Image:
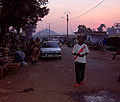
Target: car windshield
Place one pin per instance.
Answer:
(50, 45)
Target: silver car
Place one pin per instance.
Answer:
(50, 49)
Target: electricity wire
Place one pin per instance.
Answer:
(85, 12)
(90, 9)
(90, 3)
(74, 6)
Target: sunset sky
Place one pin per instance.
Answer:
(107, 13)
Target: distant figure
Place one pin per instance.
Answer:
(80, 50)
(117, 53)
(104, 44)
(35, 53)
(37, 41)
(19, 56)
(118, 79)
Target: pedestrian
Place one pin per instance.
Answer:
(117, 53)
(104, 44)
(35, 53)
(19, 57)
(118, 79)
(80, 50)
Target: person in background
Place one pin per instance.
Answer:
(35, 53)
(19, 56)
(104, 44)
(117, 53)
(118, 78)
(114, 56)
(80, 50)
(38, 42)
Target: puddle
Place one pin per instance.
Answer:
(100, 96)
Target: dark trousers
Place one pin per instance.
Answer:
(80, 71)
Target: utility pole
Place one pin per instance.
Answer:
(67, 25)
(49, 31)
(67, 14)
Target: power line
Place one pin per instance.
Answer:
(74, 6)
(90, 9)
(85, 6)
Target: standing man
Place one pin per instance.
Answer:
(80, 50)
(104, 44)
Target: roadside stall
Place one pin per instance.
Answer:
(6, 59)
(113, 42)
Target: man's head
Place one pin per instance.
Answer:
(80, 40)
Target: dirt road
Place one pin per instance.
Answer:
(52, 80)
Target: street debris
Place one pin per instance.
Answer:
(100, 96)
(5, 91)
(8, 82)
(26, 90)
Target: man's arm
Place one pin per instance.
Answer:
(86, 53)
(79, 55)
(74, 53)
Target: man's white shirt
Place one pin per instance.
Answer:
(76, 50)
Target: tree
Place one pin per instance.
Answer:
(84, 29)
(100, 28)
(20, 14)
(112, 30)
(29, 30)
(81, 28)
(117, 27)
(88, 31)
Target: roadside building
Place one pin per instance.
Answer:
(96, 36)
(93, 37)
(113, 41)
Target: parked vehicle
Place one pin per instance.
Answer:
(50, 49)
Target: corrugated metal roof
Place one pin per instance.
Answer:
(114, 35)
